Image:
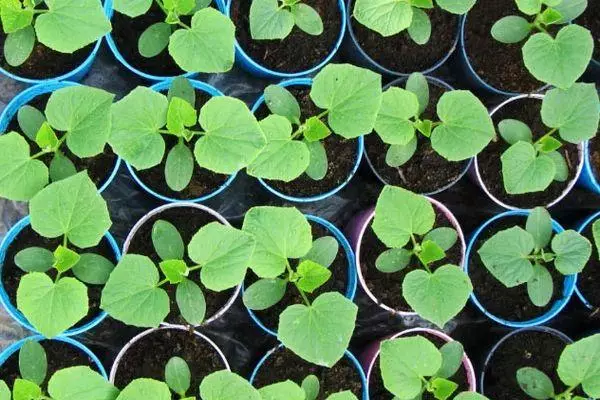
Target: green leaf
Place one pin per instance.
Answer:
(30, 120)
(154, 39)
(324, 251)
(174, 270)
(311, 387)
(420, 27)
(132, 8)
(444, 237)
(318, 162)
(4, 391)
(167, 241)
(539, 225)
(570, 9)
(61, 167)
(93, 269)
(550, 16)
(14, 16)
(34, 259)
(529, 7)
(422, 3)
(540, 287)
(26, 390)
(417, 83)
(386, 17)
(393, 260)
(579, 364)
(321, 333)
(46, 138)
(452, 356)
(394, 123)
(572, 252)
(466, 126)
(562, 168)
(180, 115)
(456, 6)
(286, 390)
(307, 19)
(574, 112)
(136, 120)
(18, 46)
(315, 129)
(179, 167)
(430, 252)
(405, 361)
(399, 214)
(398, 155)
(280, 101)
(352, 95)
(312, 276)
(183, 89)
(71, 207)
(208, 47)
(264, 294)
(511, 29)
(232, 139)
(548, 144)
(596, 234)
(443, 388)
(280, 233)
(225, 385)
(505, 256)
(51, 307)
(524, 171)
(33, 363)
(191, 302)
(143, 389)
(345, 395)
(65, 259)
(178, 375)
(20, 176)
(437, 297)
(70, 25)
(268, 21)
(535, 383)
(80, 383)
(513, 131)
(181, 7)
(470, 396)
(131, 294)
(562, 60)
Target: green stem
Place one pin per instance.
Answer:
(290, 273)
(196, 268)
(183, 25)
(162, 282)
(58, 274)
(300, 129)
(547, 135)
(564, 394)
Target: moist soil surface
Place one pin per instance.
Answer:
(282, 365)
(399, 53)
(490, 166)
(535, 349)
(341, 154)
(99, 167)
(500, 65)
(378, 392)
(512, 304)
(337, 283)
(60, 355)
(148, 357)
(188, 221)
(297, 52)
(588, 280)
(203, 181)
(426, 171)
(387, 288)
(591, 20)
(11, 274)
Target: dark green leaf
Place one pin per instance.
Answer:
(535, 383)
(318, 165)
(311, 387)
(398, 155)
(264, 293)
(34, 259)
(154, 40)
(511, 29)
(281, 102)
(513, 131)
(393, 260)
(540, 287)
(178, 375)
(18, 46)
(167, 241)
(30, 120)
(182, 88)
(539, 225)
(61, 167)
(179, 167)
(324, 250)
(452, 355)
(33, 363)
(444, 237)
(93, 269)
(191, 302)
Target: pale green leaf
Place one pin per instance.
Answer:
(264, 293)
(18, 46)
(286, 390)
(307, 19)
(529, 7)
(443, 388)
(145, 389)
(572, 252)
(179, 167)
(46, 138)
(178, 375)
(513, 131)
(524, 171)
(398, 155)
(174, 270)
(180, 116)
(93, 269)
(80, 383)
(34, 259)
(540, 286)
(570, 9)
(511, 29)
(579, 363)
(324, 251)
(539, 225)
(132, 8)
(420, 27)
(393, 260)
(387, 17)
(167, 241)
(4, 391)
(33, 363)
(225, 385)
(535, 383)
(191, 302)
(596, 234)
(315, 129)
(30, 120)
(470, 396)
(456, 6)
(394, 123)
(26, 390)
(345, 395)
(318, 161)
(269, 21)
(65, 259)
(20, 176)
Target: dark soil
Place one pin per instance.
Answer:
(591, 20)
(594, 149)
(337, 283)
(297, 52)
(203, 181)
(500, 65)
(426, 171)
(490, 165)
(188, 221)
(588, 280)
(378, 392)
(148, 357)
(341, 154)
(11, 274)
(99, 167)
(512, 304)
(60, 355)
(526, 349)
(283, 365)
(387, 288)
(399, 53)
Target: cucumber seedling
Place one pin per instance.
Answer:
(275, 19)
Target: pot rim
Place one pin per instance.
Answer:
(583, 226)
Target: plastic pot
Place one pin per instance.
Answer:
(13, 348)
(26, 97)
(399, 83)
(371, 354)
(588, 179)
(476, 175)
(348, 355)
(355, 52)
(5, 299)
(360, 141)
(205, 209)
(351, 286)
(255, 68)
(582, 228)
(568, 283)
(160, 87)
(359, 225)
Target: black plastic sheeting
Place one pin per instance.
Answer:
(240, 339)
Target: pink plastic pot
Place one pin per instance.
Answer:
(361, 222)
(371, 354)
(210, 211)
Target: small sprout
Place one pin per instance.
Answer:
(403, 218)
(517, 256)
(178, 376)
(275, 19)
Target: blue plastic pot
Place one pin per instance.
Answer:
(587, 178)
(582, 228)
(348, 355)
(5, 299)
(360, 57)
(108, 8)
(26, 97)
(568, 284)
(350, 289)
(253, 67)
(361, 147)
(10, 350)
(160, 87)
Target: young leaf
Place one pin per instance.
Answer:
(443, 388)
(535, 383)
(562, 168)
(444, 237)
(513, 131)
(307, 19)
(345, 395)
(529, 7)
(398, 155)
(312, 276)
(46, 138)
(225, 385)
(456, 6)
(18, 46)
(394, 125)
(143, 388)
(167, 241)
(548, 144)
(319, 333)
(437, 297)
(80, 383)
(286, 390)
(180, 115)
(540, 287)
(93, 269)
(183, 89)
(539, 225)
(14, 16)
(452, 355)
(269, 21)
(550, 16)
(430, 252)
(393, 260)
(386, 17)
(34, 259)
(511, 29)
(179, 167)
(30, 120)
(318, 163)
(174, 270)
(315, 129)
(420, 27)
(324, 250)
(311, 387)
(417, 83)
(65, 259)
(132, 8)
(579, 363)
(154, 39)
(524, 171)
(33, 363)
(281, 102)
(264, 293)
(570, 9)
(572, 252)
(596, 234)
(25, 390)
(61, 167)
(191, 302)
(178, 375)
(4, 391)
